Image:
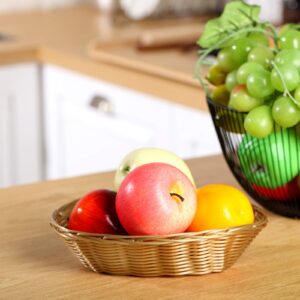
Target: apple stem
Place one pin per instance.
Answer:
(177, 195)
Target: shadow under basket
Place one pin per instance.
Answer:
(191, 253)
(278, 153)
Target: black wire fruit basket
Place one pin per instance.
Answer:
(267, 168)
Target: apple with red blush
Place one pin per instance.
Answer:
(156, 199)
(96, 213)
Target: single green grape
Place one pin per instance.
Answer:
(240, 49)
(246, 69)
(231, 80)
(242, 101)
(220, 95)
(216, 75)
(226, 60)
(290, 76)
(261, 55)
(230, 58)
(259, 39)
(259, 122)
(297, 94)
(285, 112)
(288, 57)
(290, 39)
(259, 84)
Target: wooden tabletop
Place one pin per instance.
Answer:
(35, 263)
(61, 37)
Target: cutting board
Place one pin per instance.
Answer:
(164, 51)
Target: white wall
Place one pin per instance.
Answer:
(270, 10)
(17, 5)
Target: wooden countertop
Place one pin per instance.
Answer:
(35, 263)
(62, 36)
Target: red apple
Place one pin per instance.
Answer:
(286, 192)
(96, 213)
(156, 199)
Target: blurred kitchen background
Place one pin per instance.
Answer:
(275, 10)
(84, 82)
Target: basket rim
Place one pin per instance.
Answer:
(212, 233)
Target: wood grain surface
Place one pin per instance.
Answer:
(35, 264)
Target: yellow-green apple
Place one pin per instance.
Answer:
(143, 156)
(156, 199)
(96, 213)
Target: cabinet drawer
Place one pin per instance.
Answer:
(118, 100)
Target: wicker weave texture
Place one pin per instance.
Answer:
(192, 253)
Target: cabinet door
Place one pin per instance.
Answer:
(20, 129)
(7, 168)
(91, 124)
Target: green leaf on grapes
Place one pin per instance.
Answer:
(236, 15)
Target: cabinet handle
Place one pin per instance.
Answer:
(102, 104)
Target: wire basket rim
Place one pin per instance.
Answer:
(224, 107)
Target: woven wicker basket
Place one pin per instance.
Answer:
(193, 253)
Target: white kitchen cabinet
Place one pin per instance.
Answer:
(193, 133)
(20, 125)
(91, 124)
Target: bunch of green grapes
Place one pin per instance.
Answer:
(260, 76)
